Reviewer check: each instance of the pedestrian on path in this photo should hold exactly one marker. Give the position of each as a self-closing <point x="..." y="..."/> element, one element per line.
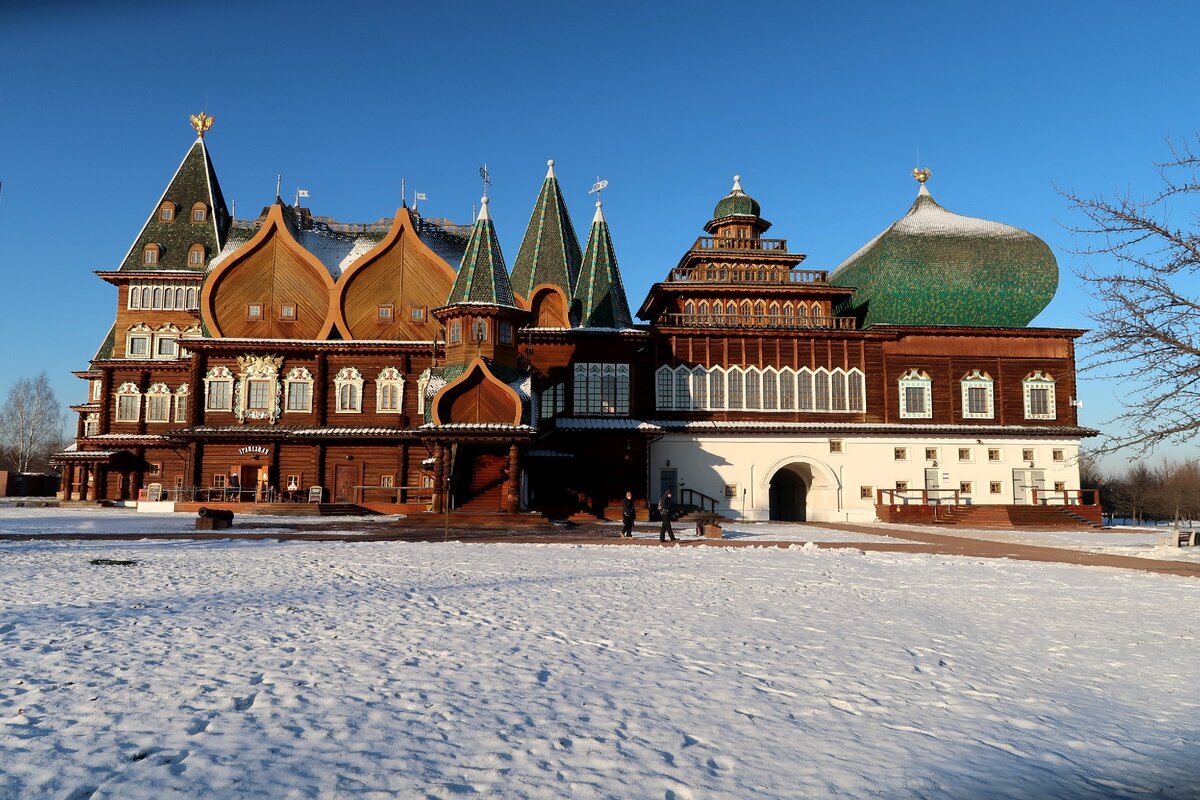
<point x="665" y="507"/>
<point x="628" y="513"/>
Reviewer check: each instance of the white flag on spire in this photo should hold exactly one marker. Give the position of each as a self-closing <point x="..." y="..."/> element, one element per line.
<point x="419" y="196"/>
<point x="302" y="193"/>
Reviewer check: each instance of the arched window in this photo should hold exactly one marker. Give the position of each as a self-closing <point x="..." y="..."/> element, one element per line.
<point x="199" y="212"/>
<point x="191" y="298"/>
<point x="455" y="331"/>
<point x="348" y="385"/>
<point x="298" y="386"/>
<point x="169" y="299"/>
<point x="734" y="396"/>
<point x="787" y="389"/>
<point x="683" y="391"/>
<point x="747" y="311"/>
<point x="702" y="310"/>
<point x="479" y="330"/>
<point x="158" y="301"/>
<point x="699" y="387"/>
<point x="789" y="315"/>
<point x="716" y="388"/>
<point x="804" y="390"/>
<point x="664" y="388"/>
<point x="389" y="391"/>
<point x="753" y="388"/>
<point x="1039" y="396"/>
<point x="196" y="255"/>
<point x="146" y="297"/>
<point x="129" y="403"/>
<point x="770" y="390"/>
<point x="977" y="395"/>
<point x="731" y="312"/>
<point x="916" y="395"/>
<point x="775" y="317"/>
<point x="166" y="212"/>
<point x="837" y="400"/>
<point x="135" y="297"/>
<point x="179" y="298"/>
<point x="821" y="389"/>
<point x="760" y="311"/>
<point x="689" y="313"/>
<point x="150" y="254"/>
<point x="855" y="396"/>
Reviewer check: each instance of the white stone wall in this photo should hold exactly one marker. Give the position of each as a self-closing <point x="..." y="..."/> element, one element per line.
<point x="709" y="464"/>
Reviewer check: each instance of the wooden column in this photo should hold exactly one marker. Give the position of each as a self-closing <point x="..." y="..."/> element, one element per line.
<point x="319" y="385"/>
<point x="84" y="492"/>
<point x="106" y="391"/>
<point x="197" y="468"/>
<point x="68" y="480"/>
<point x="439" y="483"/>
<point x="101" y="482"/>
<point x="196" y="383"/>
<point x="138" y="474"/>
<point x="512" y="488"/>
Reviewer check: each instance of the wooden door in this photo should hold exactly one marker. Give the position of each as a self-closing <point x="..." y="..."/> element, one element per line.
<point x="345" y="483"/>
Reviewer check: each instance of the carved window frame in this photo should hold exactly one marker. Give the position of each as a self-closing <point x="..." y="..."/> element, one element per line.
<point x="296" y="377"/>
<point x="215" y="376"/>
<point x="390" y="379"/>
<point x="348" y="385"/>
<point x="123" y="411"/>
<point x="1039" y="381"/>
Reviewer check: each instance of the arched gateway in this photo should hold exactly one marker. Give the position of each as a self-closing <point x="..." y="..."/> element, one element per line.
<point x="789" y="492"/>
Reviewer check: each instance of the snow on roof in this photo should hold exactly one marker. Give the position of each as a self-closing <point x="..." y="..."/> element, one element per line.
<point x="607" y="423"/>
<point x="335" y="250"/>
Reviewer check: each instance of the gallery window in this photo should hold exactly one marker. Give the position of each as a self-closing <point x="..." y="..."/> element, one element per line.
<point x="601" y="389"/>
<point x="455" y="331"/>
<point x="137" y="346"/>
<point x="506" y="333"/>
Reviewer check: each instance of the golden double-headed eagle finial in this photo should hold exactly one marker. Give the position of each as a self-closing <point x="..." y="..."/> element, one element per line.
<point x="921" y="175"/>
<point x="201" y="122"/>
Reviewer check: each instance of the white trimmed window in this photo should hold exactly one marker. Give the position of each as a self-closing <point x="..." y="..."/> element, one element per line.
<point x="166" y="347"/>
<point x="804" y="389"/>
<point x="423" y="389"/>
<point x="916" y="395"/>
<point x="389" y="391"/>
<point x="298" y="385"/>
<point x="683" y="389"/>
<point x="699" y="380"/>
<point x="787" y="384"/>
<point x="664" y="388"/>
<point x="1039" y="396"/>
<point x="348" y="385"/>
<point x="856" y="398"/>
<point x="753" y="388"/>
<point x="137" y="342"/>
<point x="150" y="254"/>
<point x="716" y="388"/>
<point x="218" y="389"/>
<point x="601" y="389"/>
<point x="821" y="389"/>
<point x="129" y="403"/>
<point x="837" y="390"/>
<point x="978" y="395"/>
<point x="158" y="403"/>
<point x="97" y="388"/>
<point x="770" y="389"/>
<point x="735" y="396"/>
<point x="181" y="404"/>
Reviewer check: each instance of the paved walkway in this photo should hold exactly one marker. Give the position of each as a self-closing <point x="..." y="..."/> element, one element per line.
<point x="918" y="541"/>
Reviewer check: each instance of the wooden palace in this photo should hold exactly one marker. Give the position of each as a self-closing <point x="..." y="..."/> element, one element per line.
<point x="401" y="366"/>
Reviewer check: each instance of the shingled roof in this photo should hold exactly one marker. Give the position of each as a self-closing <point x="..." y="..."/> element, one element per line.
<point x="482" y="277"/>
<point x="194" y="181"/>
<point x="600" y="294"/>
<point x="550" y="250"/>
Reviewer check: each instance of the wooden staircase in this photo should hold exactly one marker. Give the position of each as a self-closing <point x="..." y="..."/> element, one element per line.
<point x="1014" y="516"/>
<point x="485" y="490"/>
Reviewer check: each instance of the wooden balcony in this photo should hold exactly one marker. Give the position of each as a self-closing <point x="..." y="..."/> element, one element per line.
<point x="737" y="243"/>
<point x="757" y="276"/>
<point x="765" y="321"/>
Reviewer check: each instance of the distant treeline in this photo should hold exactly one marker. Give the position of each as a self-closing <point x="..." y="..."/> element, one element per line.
<point x="1144" y="493"/>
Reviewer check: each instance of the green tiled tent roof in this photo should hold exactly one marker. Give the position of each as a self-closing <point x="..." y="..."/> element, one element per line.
<point x="482" y="277"/>
<point x="549" y="252"/>
<point x="934" y="267"/>
<point x="194" y="182"/>
<point x="601" y="297"/>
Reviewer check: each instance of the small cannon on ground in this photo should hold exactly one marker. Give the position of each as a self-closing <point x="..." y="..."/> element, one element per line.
<point x="213" y="519"/>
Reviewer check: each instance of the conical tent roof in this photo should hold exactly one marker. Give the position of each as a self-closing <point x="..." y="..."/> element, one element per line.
<point x="549" y="252"/>
<point x="599" y="292"/>
<point x="935" y="267"/>
<point x="195" y="181"/>
<point x="482" y="277"/>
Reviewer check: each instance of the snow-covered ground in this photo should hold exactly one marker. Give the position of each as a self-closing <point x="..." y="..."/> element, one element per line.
<point x="130" y="520"/>
<point x="264" y="669"/>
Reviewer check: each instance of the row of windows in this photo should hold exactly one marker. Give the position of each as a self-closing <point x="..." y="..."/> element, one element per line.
<point x="964" y="487"/>
<point x="480" y="331"/>
<point x="716" y="311"/>
<point x="163" y="296"/>
<point x="967" y="454"/>
<point x="258" y="394"/>
<point x="755" y="389"/>
<point x="977" y="395"/>
<point x="157" y="402"/>
<point x="143" y="343"/>
<point x="168" y="211"/>
<point x="152" y="254"/>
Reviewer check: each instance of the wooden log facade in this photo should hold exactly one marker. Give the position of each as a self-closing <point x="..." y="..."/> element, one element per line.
<point x="394" y="366"/>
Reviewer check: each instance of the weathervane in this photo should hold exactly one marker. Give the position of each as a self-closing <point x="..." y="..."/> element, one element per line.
<point x="598" y="187"/>
<point x="921" y="175"/>
<point x="487" y="178"/>
<point x="201" y="122"/>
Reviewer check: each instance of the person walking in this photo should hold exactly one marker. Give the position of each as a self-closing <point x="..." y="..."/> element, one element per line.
<point x="628" y="513"/>
<point x="665" y="506"/>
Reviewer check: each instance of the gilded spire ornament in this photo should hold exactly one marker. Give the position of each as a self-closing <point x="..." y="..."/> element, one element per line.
<point x="201" y="122"/>
<point x="921" y="175"/>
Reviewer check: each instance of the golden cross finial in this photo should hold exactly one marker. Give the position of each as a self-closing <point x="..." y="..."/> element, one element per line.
<point x="921" y="175"/>
<point x="201" y="122"/>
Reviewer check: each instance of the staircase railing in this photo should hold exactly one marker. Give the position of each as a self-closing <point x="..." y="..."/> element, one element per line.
<point x="691" y="500"/>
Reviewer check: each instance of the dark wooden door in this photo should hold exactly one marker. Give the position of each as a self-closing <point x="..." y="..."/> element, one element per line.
<point x="345" y="479"/>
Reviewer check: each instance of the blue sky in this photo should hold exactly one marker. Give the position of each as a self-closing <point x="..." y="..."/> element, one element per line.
<point x="820" y="107"/>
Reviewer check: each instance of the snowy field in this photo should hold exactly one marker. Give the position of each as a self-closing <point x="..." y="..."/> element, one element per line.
<point x="129" y="520"/>
<point x="264" y="669"/>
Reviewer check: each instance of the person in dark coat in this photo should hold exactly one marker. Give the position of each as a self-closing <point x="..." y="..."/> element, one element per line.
<point x="627" y="516"/>
<point x="665" y="507"/>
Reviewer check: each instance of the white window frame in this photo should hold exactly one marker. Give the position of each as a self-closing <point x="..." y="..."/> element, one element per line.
<point x="128" y="390"/>
<point x="159" y="394"/>
<point x="182" y="396"/>
<point x="389" y="378"/>
<point x="915" y="379"/>
<point x="139" y="333"/>
<point x="348" y="377"/>
<point x="1039" y="380"/>
<point x="217" y="375"/>
<point x="422" y="390"/>
<point x="298" y="376"/>
<point x="975" y="379"/>
<point x="664" y="388"/>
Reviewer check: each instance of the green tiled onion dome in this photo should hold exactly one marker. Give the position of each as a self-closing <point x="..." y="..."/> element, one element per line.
<point x="737" y="203"/>
<point x="935" y="267"/>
